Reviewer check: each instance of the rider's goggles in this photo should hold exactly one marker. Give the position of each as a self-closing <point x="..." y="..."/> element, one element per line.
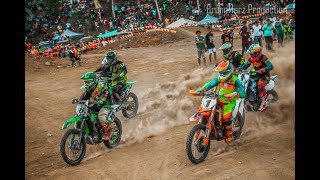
<point x="225" y="72"/>
<point x="255" y="54"/>
<point x="88" y="83"/>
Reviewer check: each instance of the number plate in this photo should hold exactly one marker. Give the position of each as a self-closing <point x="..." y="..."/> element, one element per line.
<point x="111" y="116"/>
<point x="81" y="109"/>
<point x="208" y="102"/>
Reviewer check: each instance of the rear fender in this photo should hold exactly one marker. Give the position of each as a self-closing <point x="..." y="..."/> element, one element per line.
<point x="238" y="108"/>
<point x="270" y="85"/>
<point x="273" y="77"/>
<point x="128" y="84"/>
<point x="73" y="120"/>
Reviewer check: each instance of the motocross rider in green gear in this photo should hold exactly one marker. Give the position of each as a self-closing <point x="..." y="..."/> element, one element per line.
<point x="99" y="100"/>
<point x="114" y="69"/>
<point x="234" y="57"/>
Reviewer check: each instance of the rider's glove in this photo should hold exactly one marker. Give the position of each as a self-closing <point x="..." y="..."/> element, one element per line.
<point x="202" y="91"/>
<point x="262" y="70"/>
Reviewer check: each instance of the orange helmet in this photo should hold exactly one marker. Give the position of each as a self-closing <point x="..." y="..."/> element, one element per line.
<point x="225" y="70"/>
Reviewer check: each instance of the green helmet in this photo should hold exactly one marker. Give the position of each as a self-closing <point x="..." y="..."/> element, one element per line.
<point x="111" y="58"/>
<point x="226" y="48"/>
<point x="90" y="80"/>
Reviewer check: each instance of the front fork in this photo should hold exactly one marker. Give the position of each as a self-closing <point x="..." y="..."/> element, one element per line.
<point x="81" y="131"/>
<point x="207" y="132"/>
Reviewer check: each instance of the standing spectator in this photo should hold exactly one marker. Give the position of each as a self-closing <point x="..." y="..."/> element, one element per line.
<point x="231" y="33"/>
<point x="68" y="26"/>
<point x="154" y="14"/>
<point x="251" y="39"/>
<point x="225" y="37"/>
<point x="286" y="30"/>
<point x="29" y="47"/>
<point x="105" y="22"/>
<point x="245" y="36"/>
<point x="210" y="45"/>
<point x="292" y="24"/>
<point x="199" y="40"/>
<point x="279" y="31"/>
<point x="257" y="33"/>
<point x="267" y="33"/>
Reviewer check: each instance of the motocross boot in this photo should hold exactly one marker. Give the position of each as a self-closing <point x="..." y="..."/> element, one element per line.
<point x="106" y="129"/>
<point x="228" y="133"/>
<point x="263" y="104"/>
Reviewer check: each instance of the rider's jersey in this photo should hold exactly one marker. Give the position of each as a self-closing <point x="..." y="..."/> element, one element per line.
<point x="98" y="96"/>
<point x="119" y="70"/>
<point x="236" y="59"/>
<point x="262" y="62"/>
<point x="233" y="84"/>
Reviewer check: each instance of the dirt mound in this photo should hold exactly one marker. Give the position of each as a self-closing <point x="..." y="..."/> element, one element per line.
<point x="39" y="64"/>
<point x="147" y="39"/>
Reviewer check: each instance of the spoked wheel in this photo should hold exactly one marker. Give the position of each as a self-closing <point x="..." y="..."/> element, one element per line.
<point x="72" y="148"/>
<point x="272" y="96"/>
<point x="197" y="151"/>
<point x="239" y="122"/>
<point x="132" y="108"/>
<point x="116" y="132"/>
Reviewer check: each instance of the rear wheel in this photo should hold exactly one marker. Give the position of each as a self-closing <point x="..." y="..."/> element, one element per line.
<point x="72" y="148"/>
<point x="272" y="96"/>
<point x="132" y="106"/>
<point x="239" y="122"/>
<point x="197" y="151"/>
<point x="116" y="131"/>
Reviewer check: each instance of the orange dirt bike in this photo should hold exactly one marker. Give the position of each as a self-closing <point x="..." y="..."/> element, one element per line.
<point x="210" y="126"/>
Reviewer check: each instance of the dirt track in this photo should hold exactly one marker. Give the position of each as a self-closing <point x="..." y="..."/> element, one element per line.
<point x="153" y="144"/>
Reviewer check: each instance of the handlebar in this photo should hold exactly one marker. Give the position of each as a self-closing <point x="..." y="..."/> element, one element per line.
<point x="77" y="101"/>
<point x="210" y="94"/>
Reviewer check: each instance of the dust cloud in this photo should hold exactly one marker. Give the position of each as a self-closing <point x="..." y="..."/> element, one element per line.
<point x="169" y="104"/>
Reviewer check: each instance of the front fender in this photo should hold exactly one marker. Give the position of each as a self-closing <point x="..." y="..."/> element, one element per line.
<point x="73" y="120"/>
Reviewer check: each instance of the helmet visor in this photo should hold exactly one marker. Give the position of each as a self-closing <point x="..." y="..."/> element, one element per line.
<point x="109" y="58"/>
<point x="225" y="73"/>
<point x="88" y="82"/>
<point x="255" y="54"/>
<point x="226" y="51"/>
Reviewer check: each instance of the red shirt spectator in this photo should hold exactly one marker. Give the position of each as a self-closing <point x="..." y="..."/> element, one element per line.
<point x="29" y="46"/>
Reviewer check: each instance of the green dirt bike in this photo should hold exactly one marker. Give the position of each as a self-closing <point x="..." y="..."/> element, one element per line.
<point x="128" y="103"/>
<point x="87" y="130"/>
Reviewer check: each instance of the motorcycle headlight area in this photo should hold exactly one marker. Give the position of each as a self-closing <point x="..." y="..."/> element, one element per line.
<point x="81" y="109"/>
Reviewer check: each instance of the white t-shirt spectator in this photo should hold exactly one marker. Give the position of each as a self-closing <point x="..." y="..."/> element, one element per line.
<point x="256" y="30"/>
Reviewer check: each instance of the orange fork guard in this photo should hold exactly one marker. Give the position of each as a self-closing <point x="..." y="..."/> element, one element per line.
<point x="194" y="93"/>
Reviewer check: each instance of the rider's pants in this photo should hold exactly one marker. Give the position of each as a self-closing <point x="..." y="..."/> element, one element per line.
<point x="103" y="115"/>
<point x="227" y="109"/>
<point x="263" y="81"/>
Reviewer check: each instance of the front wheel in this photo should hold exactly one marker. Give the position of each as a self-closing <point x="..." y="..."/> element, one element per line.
<point x="132" y="106"/>
<point x="72" y="150"/>
<point x="116" y="132"/>
<point x="197" y="151"/>
<point x="272" y="96"/>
